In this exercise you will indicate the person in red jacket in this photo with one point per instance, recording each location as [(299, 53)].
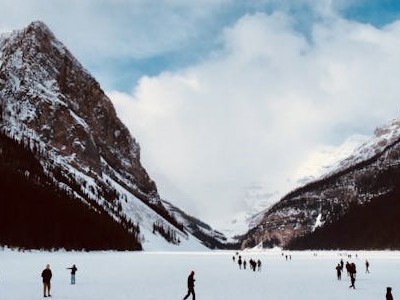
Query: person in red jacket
[(46, 276), (190, 283)]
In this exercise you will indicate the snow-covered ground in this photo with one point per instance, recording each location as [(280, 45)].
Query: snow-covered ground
[(162, 275)]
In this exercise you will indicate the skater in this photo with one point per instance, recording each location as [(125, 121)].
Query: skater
[(244, 264), (240, 262), (352, 270), (73, 271), (366, 266), (339, 272), (46, 276), (259, 265), (190, 284), (253, 265), (389, 295), (341, 264), (348, 268)]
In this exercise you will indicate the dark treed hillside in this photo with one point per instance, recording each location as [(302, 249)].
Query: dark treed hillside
[(371, 226), (34, 214)]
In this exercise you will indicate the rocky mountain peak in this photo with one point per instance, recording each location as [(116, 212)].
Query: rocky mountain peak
[(48, 95), (67, 128)]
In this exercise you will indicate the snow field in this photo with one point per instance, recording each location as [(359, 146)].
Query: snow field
[(163, 275)]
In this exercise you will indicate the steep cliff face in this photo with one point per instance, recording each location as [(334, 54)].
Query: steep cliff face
[(45, 90), (369, 174), (50, 103)]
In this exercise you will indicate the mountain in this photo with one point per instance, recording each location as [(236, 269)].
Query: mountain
[(56, 113), (354, 206), (258, 197)]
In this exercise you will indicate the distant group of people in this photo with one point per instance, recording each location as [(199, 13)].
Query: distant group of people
[(287, 257), (254, 265), (47, 275), (352, 271)]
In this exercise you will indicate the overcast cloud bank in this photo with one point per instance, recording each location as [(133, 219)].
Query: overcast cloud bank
[(264, 108)]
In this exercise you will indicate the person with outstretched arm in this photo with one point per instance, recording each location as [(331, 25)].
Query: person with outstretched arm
[(73, 271)]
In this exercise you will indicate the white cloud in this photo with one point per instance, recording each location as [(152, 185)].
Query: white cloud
[(257, 110)]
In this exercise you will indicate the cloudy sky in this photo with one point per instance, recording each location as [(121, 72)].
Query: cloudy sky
[(223, 95)]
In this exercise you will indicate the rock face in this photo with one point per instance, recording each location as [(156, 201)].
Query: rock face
[(52, 104), (46, 91), (368, 177)]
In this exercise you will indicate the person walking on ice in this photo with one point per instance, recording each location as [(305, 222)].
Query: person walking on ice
[(46, 276), (73, 271), (190, 284), (339, 272), (352, 270), (366, 266)]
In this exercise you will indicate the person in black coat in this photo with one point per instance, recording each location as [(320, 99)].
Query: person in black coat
[(190, 284), (46, 276), (240, 262), (339, 272), (73, 271), (389, 295)]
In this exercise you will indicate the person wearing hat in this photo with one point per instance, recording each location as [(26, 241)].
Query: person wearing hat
[(190, 284)]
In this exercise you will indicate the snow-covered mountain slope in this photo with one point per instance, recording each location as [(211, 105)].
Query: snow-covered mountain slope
[(258, 198), (369, 175), (384, 136), (51, 103)]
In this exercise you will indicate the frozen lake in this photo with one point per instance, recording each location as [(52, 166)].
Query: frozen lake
[(162, 275)]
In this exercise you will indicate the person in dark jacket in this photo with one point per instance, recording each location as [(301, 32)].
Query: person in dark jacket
[(339, 272), (73, 271), (389, 295), (190, 284), (240, 262), (366, 266), (46, 276), (348, 268)]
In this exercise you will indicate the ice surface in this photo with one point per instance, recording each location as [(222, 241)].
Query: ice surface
[(162, 275)]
